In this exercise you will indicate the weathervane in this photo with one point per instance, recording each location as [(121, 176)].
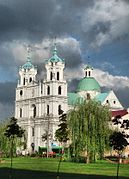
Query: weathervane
[(55, 40)]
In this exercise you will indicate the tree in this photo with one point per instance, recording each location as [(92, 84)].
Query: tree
[(89, 129), (62, 132), (118, 139), (13, 131), (4, 142)]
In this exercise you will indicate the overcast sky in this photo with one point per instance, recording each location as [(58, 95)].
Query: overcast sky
[(87, 31)]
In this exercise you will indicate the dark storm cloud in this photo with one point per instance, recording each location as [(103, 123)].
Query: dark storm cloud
[(7, 99), (6, 58), (7, 92), (121, 93), (26, 19), (72, 85), (34, 20), (71, 56)]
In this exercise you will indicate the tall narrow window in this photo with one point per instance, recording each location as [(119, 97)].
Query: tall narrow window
[(86, 73), (59, 90), (24, 80), (30, 80), (48, 90), (51, 76), (20, 112), (48, 110), (58, 76), (33, 132), (41, 88), (21, 92), (89, 73), (34, 112), (60, 111)]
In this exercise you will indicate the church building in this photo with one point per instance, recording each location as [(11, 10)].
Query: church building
[(39, 103)]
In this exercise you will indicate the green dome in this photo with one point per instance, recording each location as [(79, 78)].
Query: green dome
[(28, 65), (88, 84)]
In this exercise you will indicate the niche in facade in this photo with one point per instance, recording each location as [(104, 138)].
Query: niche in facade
[(34, 110)]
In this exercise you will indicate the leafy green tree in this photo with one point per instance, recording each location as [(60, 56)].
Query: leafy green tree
[(118, 139), (62, 132), (13, 131), (4, 141), (89, 129)]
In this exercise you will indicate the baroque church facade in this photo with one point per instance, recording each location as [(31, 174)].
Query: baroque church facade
[(39, 104)]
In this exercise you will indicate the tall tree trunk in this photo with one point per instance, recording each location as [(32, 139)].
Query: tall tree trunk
[(11, 156), (118, 165)]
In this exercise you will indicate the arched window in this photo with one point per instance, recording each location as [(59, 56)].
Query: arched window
[(50, 75), (107, 101), (86, 73), (20, 112), (89, 73), (59, 90), (58, 76), (24, 80), (48, 90), (48, 110), (30, 80), (60, 111), (21, 92), (34, 110), (88, 96)]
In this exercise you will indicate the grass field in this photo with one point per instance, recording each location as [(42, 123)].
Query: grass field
[(37, 168)]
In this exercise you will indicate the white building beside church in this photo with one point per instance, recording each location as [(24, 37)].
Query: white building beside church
[(39, 103)]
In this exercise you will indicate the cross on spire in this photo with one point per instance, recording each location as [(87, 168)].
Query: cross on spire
[(28, 52), (55, 49)]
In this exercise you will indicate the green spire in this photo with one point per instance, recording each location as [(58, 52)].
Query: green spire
[(55, 50), (55, 57)]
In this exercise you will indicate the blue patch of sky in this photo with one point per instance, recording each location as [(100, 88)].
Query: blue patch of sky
[(113, 58), (6, 76)]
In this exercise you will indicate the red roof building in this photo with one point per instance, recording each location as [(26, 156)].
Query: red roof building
[(119, 113)]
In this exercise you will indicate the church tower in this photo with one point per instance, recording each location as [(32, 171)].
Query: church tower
[(27, 79), (55, 90), (55, 85), (25, 103), (39, 103), (88, 87)]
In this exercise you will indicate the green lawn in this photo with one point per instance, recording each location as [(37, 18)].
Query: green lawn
[(37, 168)]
